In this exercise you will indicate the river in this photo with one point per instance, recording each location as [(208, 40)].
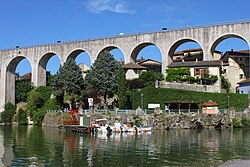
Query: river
[(46, 146)]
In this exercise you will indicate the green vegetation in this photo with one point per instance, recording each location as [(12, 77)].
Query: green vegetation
[(22, 89), (69, 81), (22, 117), (8, 113), (162, 95), (183, 75), (243, 122), (103, 75), (122, 89), (225, 84), (148, 78), (39, 101)]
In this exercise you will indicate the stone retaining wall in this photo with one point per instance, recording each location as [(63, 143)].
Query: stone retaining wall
[(192, 87), (161, 121)]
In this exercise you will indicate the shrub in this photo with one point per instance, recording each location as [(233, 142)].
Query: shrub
[(148, 78), (22, 117), (225, 84), (135, 84), (8, 113), (236, 123), (38, 116), (163, 95), (245, 122)]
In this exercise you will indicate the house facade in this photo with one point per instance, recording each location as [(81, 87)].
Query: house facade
[(235, 67)]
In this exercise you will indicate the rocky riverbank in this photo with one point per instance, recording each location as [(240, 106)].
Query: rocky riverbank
[(162, 121)]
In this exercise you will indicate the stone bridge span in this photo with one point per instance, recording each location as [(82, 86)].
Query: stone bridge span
[(208, 37)]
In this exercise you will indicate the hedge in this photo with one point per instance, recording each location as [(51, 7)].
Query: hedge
[(162, 95)]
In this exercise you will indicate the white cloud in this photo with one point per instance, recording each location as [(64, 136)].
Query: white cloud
[(98, 6)]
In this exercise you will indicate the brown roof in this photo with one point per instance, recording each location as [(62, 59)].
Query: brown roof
[(209, 103), (235, 53), (213, 63), (141, 62), (245, 81), (192, 50), (132, 65)]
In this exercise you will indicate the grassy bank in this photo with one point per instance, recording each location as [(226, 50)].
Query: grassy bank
[(162, 95)]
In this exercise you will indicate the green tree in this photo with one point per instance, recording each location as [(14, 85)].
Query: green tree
[(148, 78), (68, 80), (122, 89), (23, 87), (225, 84), (103, 75), (49, 78), (35, 100), (71, 75)]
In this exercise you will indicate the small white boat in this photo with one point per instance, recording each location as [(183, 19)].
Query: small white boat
[(118, 128), (102, 126)]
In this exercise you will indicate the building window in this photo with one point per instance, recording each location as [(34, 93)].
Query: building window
[(197, 72), (241, 76), (241, 59)]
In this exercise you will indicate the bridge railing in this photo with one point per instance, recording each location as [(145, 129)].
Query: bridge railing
[(136, 33)]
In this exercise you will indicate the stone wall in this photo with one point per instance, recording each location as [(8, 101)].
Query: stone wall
[(162, 121), (192, 87)]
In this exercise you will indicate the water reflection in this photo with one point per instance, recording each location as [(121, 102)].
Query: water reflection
[(37, 146)]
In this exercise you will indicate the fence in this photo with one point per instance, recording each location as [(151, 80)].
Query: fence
[(149, 111)]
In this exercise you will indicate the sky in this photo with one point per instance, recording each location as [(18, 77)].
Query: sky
[(35, 22)]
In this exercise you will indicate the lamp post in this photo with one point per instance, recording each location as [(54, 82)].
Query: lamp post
[(228, 102), (141, 101)]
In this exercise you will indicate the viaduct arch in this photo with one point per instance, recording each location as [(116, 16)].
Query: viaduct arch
[(207, 37)]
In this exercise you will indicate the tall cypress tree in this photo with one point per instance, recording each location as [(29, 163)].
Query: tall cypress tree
[(103, 75), (122, 89)]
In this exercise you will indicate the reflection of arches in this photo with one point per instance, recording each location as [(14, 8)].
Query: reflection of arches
[(139, 47), (223, 37), (179, 43), (41, 69), (10, 78)]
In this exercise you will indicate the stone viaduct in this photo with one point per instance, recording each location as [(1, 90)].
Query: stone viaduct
[(208, 37)]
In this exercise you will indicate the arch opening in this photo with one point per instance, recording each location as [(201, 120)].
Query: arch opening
[(185, 50), (187, 65), (116, 52), (235, 57), (82, 59), (48, 66), (18, 80), (147, 55)]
